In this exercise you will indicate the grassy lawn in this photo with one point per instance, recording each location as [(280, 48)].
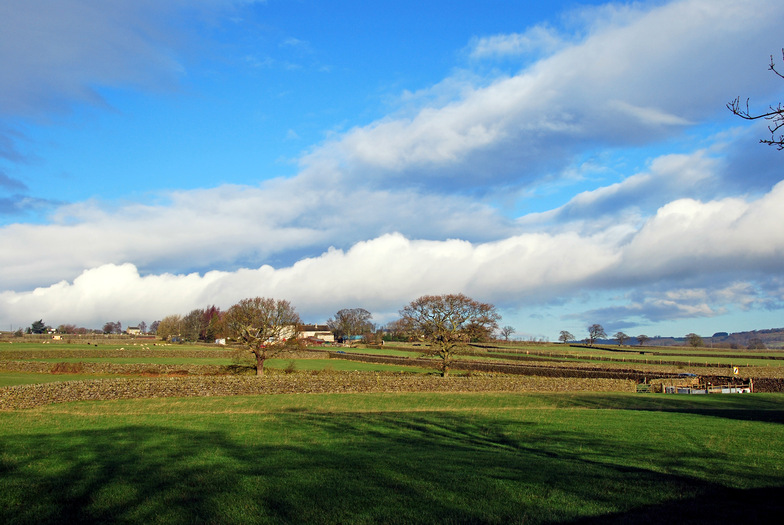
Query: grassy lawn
[(395, 352), (10, 378), (403, 458)]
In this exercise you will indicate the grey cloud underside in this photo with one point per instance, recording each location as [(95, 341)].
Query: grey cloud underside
[(17, 205), (10, 184), (703, 296)]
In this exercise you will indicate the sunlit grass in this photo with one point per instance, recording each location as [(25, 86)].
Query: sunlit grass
[(370, 458)]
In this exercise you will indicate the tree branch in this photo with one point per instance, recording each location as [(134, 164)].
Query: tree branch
[(775, 115)]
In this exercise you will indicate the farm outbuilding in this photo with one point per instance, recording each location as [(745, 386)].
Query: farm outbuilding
[(317, 331), (704, 387)]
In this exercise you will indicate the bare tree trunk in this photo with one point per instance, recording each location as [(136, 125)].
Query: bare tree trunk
[(259, 364), (446, 357)]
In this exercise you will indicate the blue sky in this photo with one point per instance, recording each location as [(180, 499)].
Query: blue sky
[(570, 162)]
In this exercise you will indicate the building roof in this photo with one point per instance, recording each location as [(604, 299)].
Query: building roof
[(315, 328)]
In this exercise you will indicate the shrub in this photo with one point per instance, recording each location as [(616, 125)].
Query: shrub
[(68, 368)]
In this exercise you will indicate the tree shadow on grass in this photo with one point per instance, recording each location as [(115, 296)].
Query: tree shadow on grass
[(719, 505), (342, 468), (741, 407)]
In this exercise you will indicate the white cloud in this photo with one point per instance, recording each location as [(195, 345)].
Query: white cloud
[(217, 227), (382, 274), (538, 39), (685, 240), (636, 76), (59, 50), (608, 89), (687, 237), (57, 55), (668, 177)]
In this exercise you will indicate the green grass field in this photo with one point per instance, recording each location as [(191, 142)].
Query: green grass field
[(22, 378), (610, 356), (396, 458)]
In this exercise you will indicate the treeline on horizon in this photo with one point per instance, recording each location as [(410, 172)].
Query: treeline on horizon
[(208, 325)]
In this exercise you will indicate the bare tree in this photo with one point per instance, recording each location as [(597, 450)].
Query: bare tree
[(621, 338), (193, 325), (265, 326), (642, 339), (397, 330), (775, 116), (112, 328), (349, 322), (507, 331), (565, 337), (201, 324), (448, 322), (66, 329), (595, 331), (216, 327)]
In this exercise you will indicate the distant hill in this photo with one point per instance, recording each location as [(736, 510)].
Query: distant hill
[(755, 339), (771, 338)]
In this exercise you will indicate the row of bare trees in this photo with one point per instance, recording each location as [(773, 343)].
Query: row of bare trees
[(596, 331), (200, 324), (267, 327)]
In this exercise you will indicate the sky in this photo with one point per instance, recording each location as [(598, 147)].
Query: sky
[(569, 162)]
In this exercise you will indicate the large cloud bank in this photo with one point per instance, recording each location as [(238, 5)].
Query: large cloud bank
[(730, 238)]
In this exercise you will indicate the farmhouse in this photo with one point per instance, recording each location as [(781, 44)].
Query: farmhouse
[(316, 331), (133, 330)]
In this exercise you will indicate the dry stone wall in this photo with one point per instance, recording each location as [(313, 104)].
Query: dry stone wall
[(30, 396)]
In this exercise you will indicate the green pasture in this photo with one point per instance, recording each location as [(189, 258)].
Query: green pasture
[(664, 355), (684, 360), (388, 351), (665, 352), (10, 378), (633, 354), (403, 458), (554, 352)]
